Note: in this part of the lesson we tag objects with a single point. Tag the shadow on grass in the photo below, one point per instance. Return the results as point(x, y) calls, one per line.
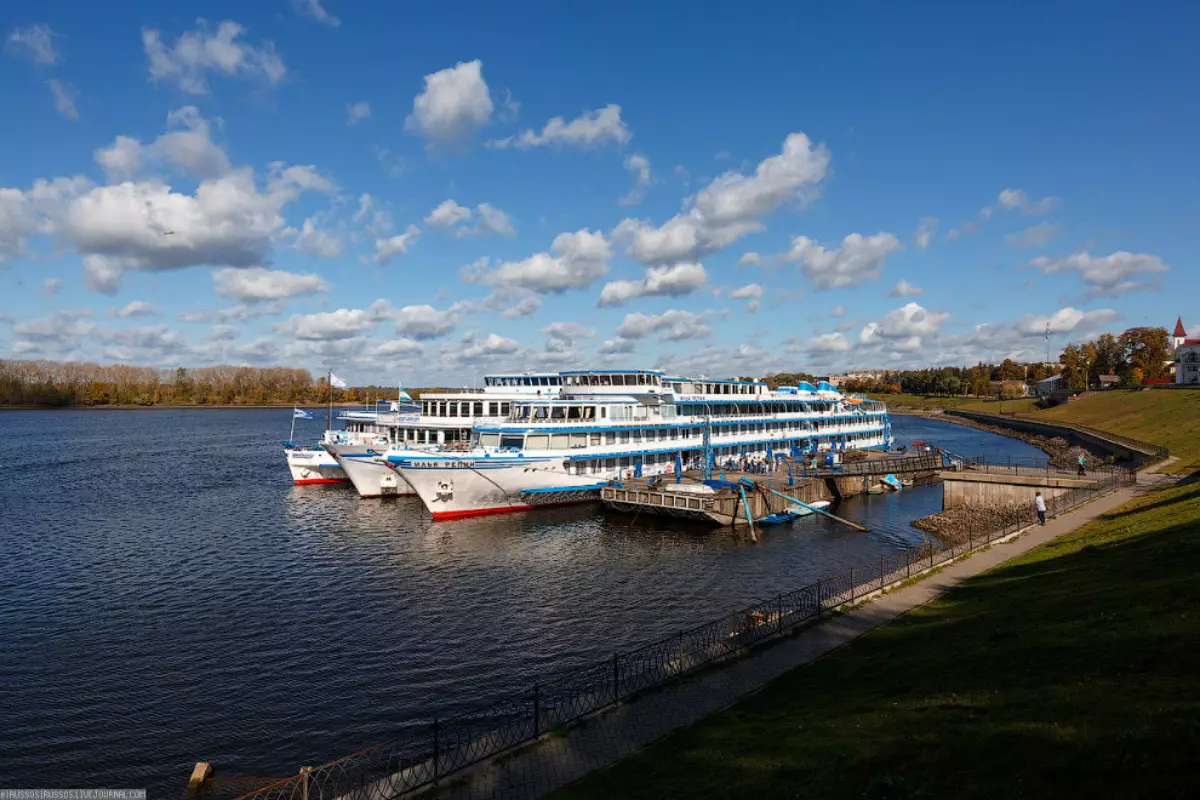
point(1073, 671)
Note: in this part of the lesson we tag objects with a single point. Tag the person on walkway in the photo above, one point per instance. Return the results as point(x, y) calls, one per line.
point(1040, 503)
point(1082, 464)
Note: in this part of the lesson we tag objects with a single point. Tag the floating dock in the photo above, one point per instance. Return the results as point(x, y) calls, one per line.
point(740, 498)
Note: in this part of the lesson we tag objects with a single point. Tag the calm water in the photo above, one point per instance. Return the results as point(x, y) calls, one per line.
point(167, 596)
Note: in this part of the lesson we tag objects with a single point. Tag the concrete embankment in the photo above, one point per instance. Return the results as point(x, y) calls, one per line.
point(1061, 443)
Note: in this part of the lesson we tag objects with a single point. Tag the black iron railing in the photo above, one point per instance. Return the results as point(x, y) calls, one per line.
point(434, 750)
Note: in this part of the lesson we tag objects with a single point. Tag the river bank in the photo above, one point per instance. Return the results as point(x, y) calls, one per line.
point(1062, 454)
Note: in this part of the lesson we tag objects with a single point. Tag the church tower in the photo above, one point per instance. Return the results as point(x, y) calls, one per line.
point(1179, 335)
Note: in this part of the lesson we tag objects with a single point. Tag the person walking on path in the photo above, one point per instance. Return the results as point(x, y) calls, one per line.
point(1040, 503)
point(1082, 464)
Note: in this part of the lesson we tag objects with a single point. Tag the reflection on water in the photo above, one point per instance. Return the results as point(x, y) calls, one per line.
point(166, 595)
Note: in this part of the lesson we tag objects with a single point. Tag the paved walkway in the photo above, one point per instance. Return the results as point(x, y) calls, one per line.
point(619, 733)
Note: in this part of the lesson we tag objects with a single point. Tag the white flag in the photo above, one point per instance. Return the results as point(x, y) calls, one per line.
point(336, 382)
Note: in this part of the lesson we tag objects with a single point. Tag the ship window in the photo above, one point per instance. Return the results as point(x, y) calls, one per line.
point(538, 442)
point(504, 408)
point(560, 441)
point(453, 409)
point(478, 409)
point(558, 412)
point(606, 380)
point(595, 439)
point(579, 440)
point(514, 442)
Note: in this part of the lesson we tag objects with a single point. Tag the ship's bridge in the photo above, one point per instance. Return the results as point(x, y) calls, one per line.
point(626, 382)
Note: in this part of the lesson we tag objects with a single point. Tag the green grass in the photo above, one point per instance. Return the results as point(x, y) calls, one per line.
point(1169, 417)
point(1072, 671)
point(899, 402)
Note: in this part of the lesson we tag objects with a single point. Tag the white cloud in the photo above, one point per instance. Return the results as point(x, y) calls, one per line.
point(341, 324)
point(751, 291)
point(316, 240)
point(64, 99)
point(35, 42)
point(590, 129)
point(674, 325)
point(357, 112)
point(827, 343)
point(425, 322)
point(903, 327)
point(860, 258)
point(491, 345)
point(201, 51)
point(1065, 320)
point(730, 207)
point(448, 214)
point(924, 234)
point(146, 226)
point(380, 220)
point(617, 346)
point(137, 308)
point(526, 307)
point(489, 219)
point(639, 165)
point(675, 280)
point(1012, 198)
point(1105, 275)
point(1019, 199)
point(187, 145)
point(258, 284)
point(400, 243)
point(906, 289)
point(492, 220)
point(50, 286)
point(1035, 236)
point(454, 101)
point(316, 12)
point(579, 259)
point(561, 336)
point(749, 259)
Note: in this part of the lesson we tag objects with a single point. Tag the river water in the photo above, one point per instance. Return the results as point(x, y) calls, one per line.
point(167, 596)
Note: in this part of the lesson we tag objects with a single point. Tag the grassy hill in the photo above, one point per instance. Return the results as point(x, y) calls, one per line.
point(1169, 417)
point(1068, 672)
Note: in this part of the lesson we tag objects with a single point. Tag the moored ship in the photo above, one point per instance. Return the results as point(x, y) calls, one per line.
point(613, 424)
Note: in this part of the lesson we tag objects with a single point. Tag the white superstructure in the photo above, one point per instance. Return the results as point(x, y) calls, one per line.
point(615, 424)
point(439, 421)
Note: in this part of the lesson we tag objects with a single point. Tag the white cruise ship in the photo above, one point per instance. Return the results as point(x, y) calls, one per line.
point(615, 424)
point(440, 422)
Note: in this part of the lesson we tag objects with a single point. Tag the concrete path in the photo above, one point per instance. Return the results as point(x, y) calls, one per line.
point(614, 735)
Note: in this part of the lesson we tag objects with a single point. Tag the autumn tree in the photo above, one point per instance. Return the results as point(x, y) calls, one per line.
point(1147, 349)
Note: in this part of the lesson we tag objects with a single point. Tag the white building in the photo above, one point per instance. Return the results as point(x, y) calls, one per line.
point(1187, 357)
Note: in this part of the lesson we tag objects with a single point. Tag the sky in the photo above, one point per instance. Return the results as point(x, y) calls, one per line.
point(427, 195)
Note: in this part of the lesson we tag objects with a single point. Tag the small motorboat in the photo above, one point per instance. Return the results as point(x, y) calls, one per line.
point(892, 482)
point(794, 511)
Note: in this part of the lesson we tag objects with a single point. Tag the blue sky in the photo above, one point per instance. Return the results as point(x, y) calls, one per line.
point(432, 195)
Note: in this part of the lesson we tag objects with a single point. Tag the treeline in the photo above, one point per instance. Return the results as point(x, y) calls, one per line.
point(51, 383)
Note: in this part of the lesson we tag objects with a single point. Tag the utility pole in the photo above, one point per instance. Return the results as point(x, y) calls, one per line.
point(1047, 344)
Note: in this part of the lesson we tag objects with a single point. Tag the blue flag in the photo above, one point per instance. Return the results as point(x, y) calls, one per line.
point(299, 413)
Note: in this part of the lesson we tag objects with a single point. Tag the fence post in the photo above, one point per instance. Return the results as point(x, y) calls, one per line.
point(908, 562)
point(537, 709)
point(820, 599)
point(881, 573)
point(616, 676)
point(853, 585)
point(779, 613)
point(437, 748)
point(305, 774)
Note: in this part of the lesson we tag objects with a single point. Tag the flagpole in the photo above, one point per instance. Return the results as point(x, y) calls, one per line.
point(329, 413)
point(292, 434)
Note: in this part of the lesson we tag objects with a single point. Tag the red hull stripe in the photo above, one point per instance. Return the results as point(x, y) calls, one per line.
point(440, 516)
point(311, 481)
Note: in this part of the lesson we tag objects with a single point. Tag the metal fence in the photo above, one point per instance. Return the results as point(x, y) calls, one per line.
point(444, 746)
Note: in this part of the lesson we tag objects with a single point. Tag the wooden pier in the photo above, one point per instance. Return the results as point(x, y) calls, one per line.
point(764, 494)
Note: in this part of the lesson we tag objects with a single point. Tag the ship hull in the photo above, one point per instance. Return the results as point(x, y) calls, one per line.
point(370, 477)
point(314, 467)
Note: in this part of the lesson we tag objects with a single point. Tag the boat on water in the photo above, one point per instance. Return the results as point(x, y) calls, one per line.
point(313, 465)
point(612, 424)
point(792, 512)
point(439, 422)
